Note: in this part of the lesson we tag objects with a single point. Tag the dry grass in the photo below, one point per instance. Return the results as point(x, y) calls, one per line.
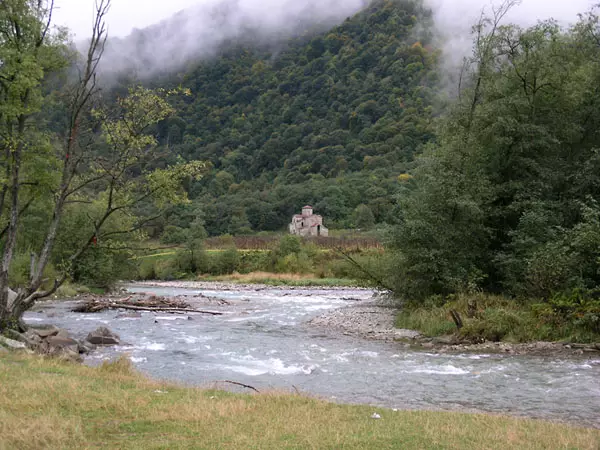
point(47, 404)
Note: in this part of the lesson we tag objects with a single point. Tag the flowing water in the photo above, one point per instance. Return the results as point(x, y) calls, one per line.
point(263, 341)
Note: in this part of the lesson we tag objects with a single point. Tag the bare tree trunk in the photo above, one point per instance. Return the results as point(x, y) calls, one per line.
point(11, 240)
point(11, 313)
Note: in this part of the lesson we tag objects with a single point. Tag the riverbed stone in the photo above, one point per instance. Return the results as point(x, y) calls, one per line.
point(103, 336)
point(11, 344)
point(57, 343)
point(47, 332)
point(62, 333)
point(70, 355)
point(86, 347)
point(446, 340)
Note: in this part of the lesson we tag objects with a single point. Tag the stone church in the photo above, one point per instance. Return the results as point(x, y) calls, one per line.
point(308, 224)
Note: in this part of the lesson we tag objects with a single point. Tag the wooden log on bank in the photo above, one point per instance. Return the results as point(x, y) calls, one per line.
point(165, 310)
point(153, 304)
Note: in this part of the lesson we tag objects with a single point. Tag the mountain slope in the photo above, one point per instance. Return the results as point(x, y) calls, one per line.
point(332, 120)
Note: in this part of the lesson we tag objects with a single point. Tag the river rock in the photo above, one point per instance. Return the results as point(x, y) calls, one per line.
point(103, 336)
point(446, 340)
point(406, 334)
point(56, 344)
point(64, 334)
point(15, 335)
point(86, 347)
point(47, 332)
point(12, 344)
point(70, 355)
point(30, 339)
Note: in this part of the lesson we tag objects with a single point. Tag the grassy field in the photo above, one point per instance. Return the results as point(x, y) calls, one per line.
point(52, 405)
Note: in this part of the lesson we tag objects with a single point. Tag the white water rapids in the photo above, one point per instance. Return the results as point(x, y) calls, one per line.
point(263, 340)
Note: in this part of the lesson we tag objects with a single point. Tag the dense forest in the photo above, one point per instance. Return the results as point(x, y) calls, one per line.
point(331, 120)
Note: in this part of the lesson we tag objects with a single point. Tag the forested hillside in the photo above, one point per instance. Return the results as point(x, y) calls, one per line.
point(507, 199)
point(331, 120)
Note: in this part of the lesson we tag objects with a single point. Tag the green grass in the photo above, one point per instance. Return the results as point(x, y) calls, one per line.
point(496, 318)
point(52, 405)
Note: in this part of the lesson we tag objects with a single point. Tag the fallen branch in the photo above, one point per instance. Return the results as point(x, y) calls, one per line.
point(153, 304)
point(167, 310)
point(247, 386)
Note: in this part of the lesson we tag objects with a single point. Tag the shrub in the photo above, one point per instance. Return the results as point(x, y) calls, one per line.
point(166, 269)
point(174, 235)
point(225, 263)
point(146, 269)
point(493, 325)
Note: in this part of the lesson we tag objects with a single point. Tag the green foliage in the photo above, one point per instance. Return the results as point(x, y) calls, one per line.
point(577, 309)
point(146, 270)
point(102, 267)
point(20, 271)
point(288, 245)
point(496, 325)
point(505, 200)
point(174, 235)
point(167, 269)
point(331, 120)
point(573, 317)
point(363, 217)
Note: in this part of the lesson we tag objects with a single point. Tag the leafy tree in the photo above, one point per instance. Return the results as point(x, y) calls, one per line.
point(505, 199)
point(100, 157)
point(363, 217)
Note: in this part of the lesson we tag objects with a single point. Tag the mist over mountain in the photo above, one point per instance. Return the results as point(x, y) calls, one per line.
point(200, 32)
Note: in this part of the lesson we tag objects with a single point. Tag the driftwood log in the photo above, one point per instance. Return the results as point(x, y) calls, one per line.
point(154, 304)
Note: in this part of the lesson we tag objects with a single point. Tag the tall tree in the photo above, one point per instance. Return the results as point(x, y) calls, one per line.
point(102, 157)
point(513, 176)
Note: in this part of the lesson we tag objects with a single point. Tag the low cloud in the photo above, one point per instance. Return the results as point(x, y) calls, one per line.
point(200, 31)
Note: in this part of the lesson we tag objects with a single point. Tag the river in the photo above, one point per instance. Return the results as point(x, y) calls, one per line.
point(263, 340)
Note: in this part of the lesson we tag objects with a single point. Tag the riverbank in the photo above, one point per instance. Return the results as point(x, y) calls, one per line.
point(280, 279)
point(48, 404)
point(371, 320)
point(233, 285)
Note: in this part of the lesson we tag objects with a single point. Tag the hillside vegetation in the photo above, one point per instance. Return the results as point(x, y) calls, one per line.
point(331, 120)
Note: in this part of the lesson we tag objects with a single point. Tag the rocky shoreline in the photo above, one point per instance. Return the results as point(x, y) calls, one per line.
point(57, 342)
point(230, 286)
point(374, 321)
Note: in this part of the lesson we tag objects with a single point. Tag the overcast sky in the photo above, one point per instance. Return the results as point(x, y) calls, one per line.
point(123, 17)
point(128, 14)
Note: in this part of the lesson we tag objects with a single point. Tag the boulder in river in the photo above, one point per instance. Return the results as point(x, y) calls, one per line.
point(103, 336)
point(57, 345)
